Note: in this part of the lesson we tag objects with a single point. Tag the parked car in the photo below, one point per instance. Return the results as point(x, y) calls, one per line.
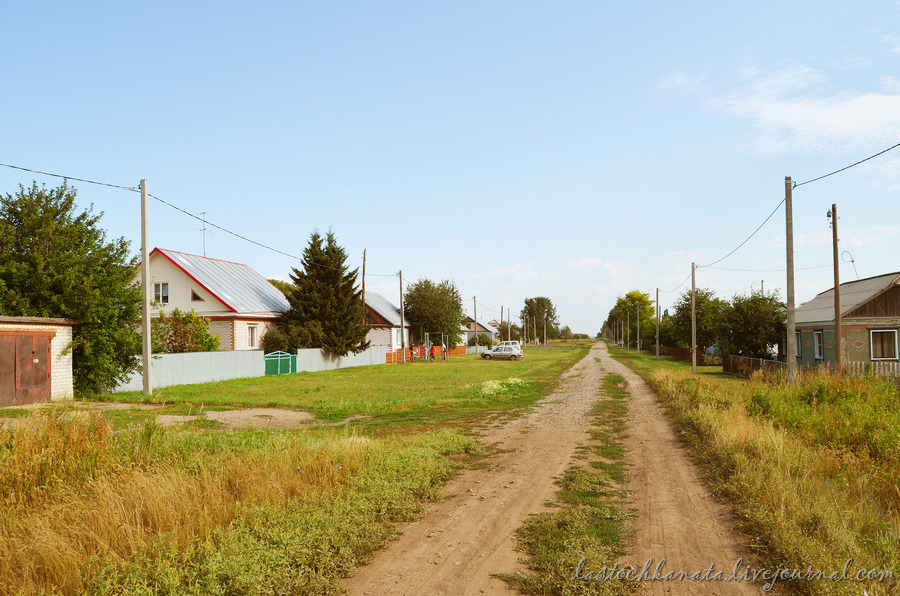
point(504, 352)
point(515, 344)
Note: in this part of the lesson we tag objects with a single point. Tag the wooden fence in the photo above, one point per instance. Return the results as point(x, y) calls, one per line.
point(743, 366)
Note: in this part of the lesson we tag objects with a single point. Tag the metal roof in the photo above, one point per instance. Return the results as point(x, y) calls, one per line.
point(853, 294)
point(237, 286)
point(384, 307)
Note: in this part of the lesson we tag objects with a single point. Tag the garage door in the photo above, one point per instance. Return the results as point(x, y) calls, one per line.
point(24, 369)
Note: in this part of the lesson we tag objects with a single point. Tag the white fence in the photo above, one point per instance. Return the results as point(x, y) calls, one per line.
point(198, 367)
point(314, 360)
point(206, 367)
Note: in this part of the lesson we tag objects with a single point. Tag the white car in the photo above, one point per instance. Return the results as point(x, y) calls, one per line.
point(504, 352)
point(515, 344)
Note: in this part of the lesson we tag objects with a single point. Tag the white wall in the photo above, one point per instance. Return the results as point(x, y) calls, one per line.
point(198, 367)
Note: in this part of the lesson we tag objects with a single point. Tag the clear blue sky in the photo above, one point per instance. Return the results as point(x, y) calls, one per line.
point(574, 150)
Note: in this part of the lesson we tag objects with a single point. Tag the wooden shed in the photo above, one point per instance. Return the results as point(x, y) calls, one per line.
point(35, 364)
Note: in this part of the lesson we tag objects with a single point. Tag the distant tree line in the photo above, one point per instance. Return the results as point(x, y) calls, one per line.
point(747, 325)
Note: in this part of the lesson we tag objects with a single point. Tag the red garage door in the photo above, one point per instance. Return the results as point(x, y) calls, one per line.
point(24, 369)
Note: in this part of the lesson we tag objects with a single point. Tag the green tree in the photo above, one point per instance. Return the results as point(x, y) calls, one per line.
point(483, 339)
point(753, 324)
point(626, 313)
point(434, 308)
point(57, 262)
point(326, 304)
point(710, 313)
point(181, 332)
point(537, 312)
point(286, 288)
point(566, 333)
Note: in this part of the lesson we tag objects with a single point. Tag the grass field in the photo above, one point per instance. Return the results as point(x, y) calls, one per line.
point(812, 469)
point(115, 504)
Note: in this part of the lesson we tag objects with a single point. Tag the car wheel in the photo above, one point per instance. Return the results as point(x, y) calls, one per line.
point(486, 356)
point(513, 357)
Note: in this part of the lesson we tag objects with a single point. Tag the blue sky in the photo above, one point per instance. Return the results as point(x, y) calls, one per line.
point(574, 150)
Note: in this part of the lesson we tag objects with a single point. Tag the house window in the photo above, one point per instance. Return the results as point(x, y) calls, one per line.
point(161, 293)
point(820, 345)
point(884, 344)
point(797, 344)
point(195, 297)
point(253, 336)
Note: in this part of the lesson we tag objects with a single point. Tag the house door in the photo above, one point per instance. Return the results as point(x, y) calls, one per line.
point(24, 369)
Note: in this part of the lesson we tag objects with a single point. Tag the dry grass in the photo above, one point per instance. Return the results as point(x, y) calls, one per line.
point(812, 488)
point(81, 493)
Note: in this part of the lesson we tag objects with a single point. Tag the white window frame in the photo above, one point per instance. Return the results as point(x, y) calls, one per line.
point(161, 293)
point(798, 345)
point(819, 344)
point(253, 336)
point(872, 344)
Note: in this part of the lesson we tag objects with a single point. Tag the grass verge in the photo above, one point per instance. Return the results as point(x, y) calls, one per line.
point(111, 503)
point(812, 469)
point(585, 533)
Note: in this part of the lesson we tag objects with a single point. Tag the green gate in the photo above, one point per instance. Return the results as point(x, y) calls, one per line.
point(280, 363)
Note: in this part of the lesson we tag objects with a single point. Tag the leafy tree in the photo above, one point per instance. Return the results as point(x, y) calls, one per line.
point(483, 340)
point(565, 333)
point(710, 312)
point(537, 312)
point(181, 332)
point(57, 262)
point(626, 312)
point(434, 308)
point(753, 324)
point(667, 333)
point(326, 304)
point(286, 288)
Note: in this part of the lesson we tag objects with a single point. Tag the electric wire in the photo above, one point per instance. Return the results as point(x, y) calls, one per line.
point(847, 167)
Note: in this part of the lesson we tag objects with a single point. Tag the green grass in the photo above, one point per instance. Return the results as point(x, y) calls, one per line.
point(413, 395)
point(108, 502)
point(811, 469)
point(587, 529)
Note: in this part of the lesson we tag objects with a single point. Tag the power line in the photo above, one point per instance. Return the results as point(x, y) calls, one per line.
point(748, 237)
point(128, 188)
point(676, 288)
point(847, 167)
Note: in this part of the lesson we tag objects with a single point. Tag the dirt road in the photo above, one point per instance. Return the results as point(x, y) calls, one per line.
point(462, 540)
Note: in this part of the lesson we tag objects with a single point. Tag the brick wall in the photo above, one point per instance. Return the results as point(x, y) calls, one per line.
point(60, 363)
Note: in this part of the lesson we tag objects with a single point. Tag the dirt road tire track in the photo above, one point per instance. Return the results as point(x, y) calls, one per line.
point(462, 540)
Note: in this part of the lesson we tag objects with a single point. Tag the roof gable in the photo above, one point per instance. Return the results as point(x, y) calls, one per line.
point(855, 295)
point(237, 286)
point(383, 308)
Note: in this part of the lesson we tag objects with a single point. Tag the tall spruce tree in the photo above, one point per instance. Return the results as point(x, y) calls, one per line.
point(326, 304)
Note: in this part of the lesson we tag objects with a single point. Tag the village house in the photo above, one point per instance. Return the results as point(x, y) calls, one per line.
point(240, 304)
point(870, 321)
point(385, 320)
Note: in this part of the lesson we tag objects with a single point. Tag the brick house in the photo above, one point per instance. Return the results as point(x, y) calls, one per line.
point(240, 304)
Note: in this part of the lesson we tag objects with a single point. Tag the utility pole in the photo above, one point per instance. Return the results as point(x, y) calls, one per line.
point(145, 282)
point(402, 322)
point(475, 309)
point(364, 287)
point(657, 323)
point(638, 342)
point(545, 331)
point(693, 319)
point(628, 331)
point(838, 358)
point(501, 324)
point(791, 340)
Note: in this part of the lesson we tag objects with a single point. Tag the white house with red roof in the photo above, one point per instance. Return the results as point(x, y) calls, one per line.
point(240, 304)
